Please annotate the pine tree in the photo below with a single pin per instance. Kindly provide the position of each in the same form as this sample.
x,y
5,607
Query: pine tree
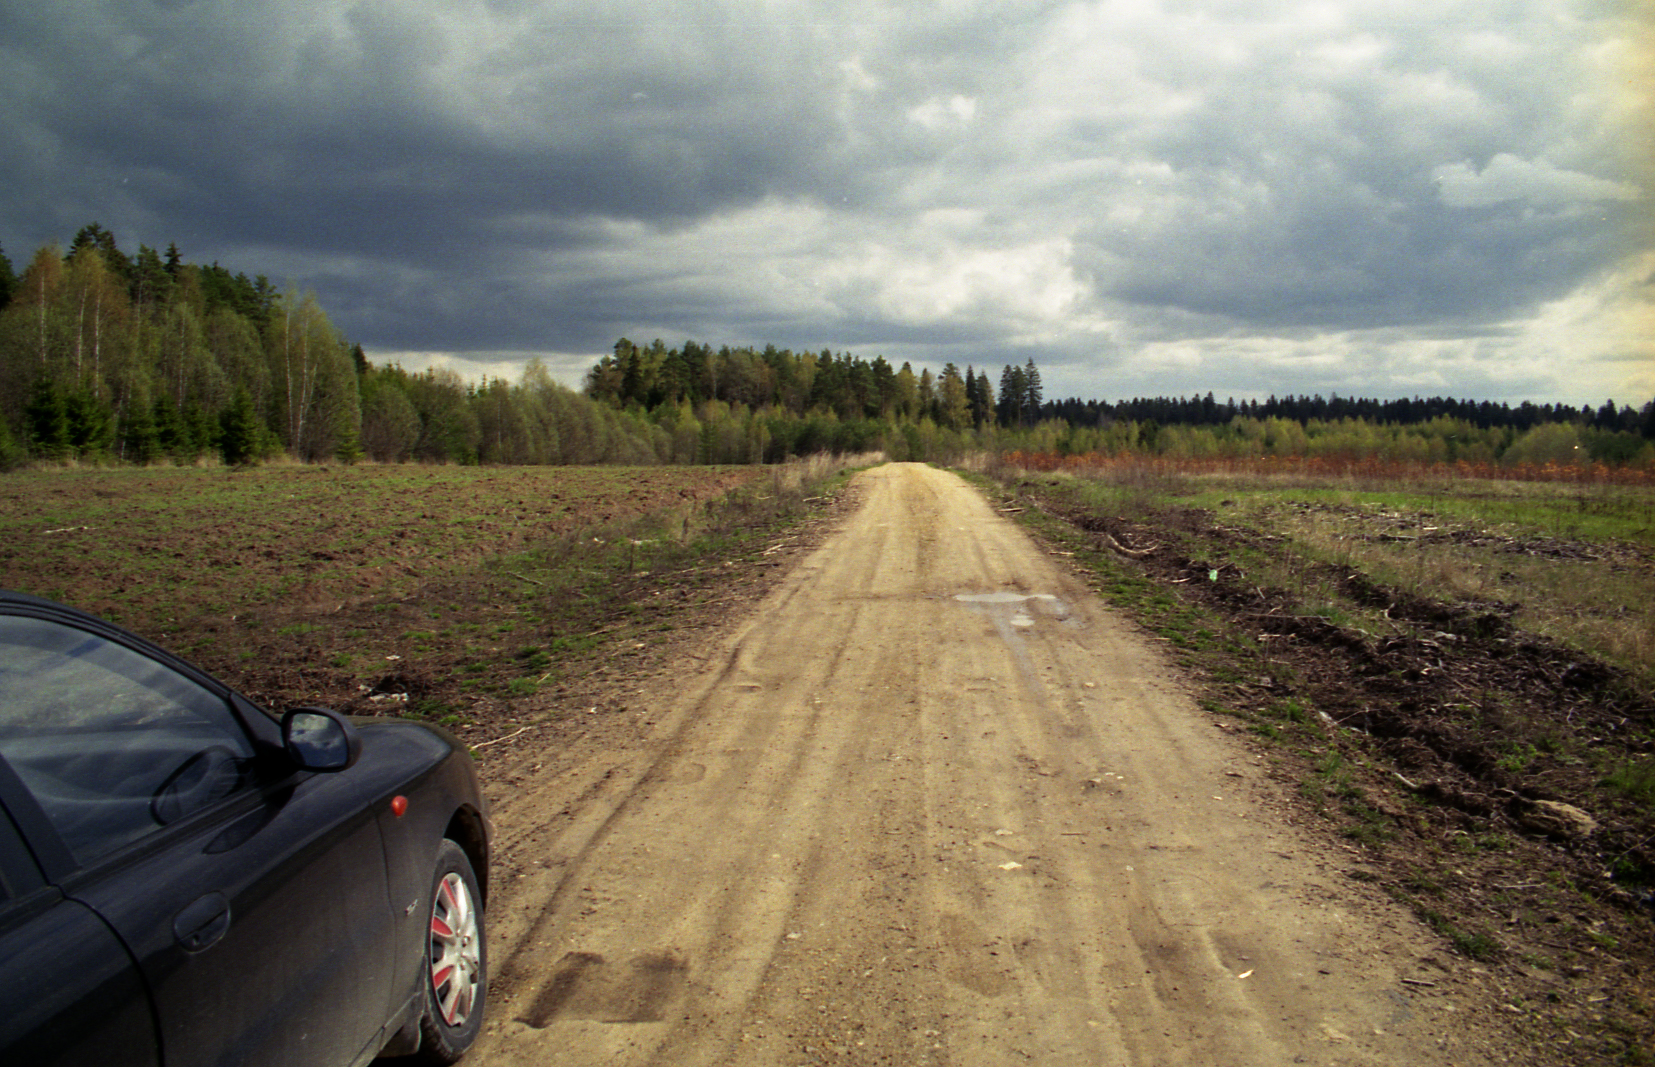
x,y
1031,392
1013,392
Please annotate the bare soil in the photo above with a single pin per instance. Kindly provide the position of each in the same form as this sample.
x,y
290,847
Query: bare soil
x,y
932,802
372,589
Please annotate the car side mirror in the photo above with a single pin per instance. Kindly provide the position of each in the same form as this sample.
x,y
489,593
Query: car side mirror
x,y
320,739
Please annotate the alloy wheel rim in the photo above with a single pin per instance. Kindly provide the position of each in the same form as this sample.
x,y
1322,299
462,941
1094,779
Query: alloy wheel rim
x,y
456,951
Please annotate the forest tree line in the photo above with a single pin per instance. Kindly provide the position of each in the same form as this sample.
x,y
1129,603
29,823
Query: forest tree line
x,y
143,358
938,416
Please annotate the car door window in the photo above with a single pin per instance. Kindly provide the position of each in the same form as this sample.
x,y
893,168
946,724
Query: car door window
x,y
112,744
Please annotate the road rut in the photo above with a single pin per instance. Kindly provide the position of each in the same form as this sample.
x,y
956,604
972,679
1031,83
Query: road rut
x,y
932,804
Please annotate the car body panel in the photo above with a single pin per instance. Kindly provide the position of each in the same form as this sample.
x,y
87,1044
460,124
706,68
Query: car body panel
x,y
283,923
298,974
83,1003
75,998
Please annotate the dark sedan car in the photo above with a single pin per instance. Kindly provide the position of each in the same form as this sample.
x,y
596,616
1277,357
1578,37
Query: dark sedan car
x,y
187,880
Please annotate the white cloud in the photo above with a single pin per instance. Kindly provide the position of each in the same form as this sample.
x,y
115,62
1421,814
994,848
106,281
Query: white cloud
x,y
1596,342
1509,178
1032,284
857,77
944,112
1600,338
566,368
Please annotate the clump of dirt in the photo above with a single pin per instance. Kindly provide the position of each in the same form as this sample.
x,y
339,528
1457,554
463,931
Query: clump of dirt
x,y
1462,762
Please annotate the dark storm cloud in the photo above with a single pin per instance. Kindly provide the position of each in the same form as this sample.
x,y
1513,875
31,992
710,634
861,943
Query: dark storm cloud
x,y
1162,196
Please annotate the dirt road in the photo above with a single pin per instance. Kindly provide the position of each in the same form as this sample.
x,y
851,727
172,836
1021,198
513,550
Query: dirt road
x,y
932,804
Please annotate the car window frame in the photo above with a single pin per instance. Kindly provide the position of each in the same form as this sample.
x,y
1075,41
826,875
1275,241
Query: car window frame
x,y
56,861
262,726
20,873
51,854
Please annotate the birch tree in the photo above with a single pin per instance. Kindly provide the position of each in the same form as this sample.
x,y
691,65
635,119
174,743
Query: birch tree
x,y
315,398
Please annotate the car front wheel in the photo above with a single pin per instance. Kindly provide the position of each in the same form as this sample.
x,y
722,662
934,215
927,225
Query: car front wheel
x,y
456,961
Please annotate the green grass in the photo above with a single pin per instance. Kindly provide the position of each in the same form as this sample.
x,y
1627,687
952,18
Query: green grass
x,y
1541,509
1479,542
429,708
1636,780
1419,882
1475,944
1289,710
532,659
1518,756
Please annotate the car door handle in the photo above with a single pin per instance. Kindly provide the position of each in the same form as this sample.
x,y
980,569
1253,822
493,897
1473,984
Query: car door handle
x,y
202,923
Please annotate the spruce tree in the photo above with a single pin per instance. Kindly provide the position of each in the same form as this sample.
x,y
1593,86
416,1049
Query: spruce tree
x,y
171,436
151,281
239,430
91,423
138,443
95,236
1031,392
47,416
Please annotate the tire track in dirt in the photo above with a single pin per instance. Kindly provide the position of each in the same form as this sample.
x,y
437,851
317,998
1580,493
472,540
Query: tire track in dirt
x,y
888,825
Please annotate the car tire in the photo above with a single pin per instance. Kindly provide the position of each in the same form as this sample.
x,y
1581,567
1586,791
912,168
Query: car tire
x,y
455,973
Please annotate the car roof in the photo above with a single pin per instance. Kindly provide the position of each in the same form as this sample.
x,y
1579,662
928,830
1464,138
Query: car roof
x,y
11,595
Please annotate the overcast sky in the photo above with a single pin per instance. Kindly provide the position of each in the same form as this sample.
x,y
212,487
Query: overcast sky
x,y
1148,197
